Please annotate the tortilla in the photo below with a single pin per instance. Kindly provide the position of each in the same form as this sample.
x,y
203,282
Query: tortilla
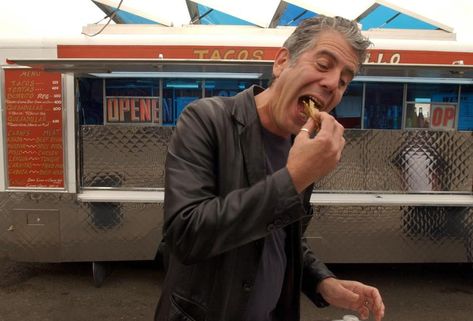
x,y
311,111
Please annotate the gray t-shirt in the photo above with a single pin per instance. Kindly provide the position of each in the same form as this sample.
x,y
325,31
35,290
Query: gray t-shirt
x,y
270,275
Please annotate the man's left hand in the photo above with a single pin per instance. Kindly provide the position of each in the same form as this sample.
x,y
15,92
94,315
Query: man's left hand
x,y
354,296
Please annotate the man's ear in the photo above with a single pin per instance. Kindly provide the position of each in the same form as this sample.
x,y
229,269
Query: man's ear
x,y
280,61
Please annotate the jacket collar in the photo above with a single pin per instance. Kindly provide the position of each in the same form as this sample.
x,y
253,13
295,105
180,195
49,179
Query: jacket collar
x,y
244,108
249,129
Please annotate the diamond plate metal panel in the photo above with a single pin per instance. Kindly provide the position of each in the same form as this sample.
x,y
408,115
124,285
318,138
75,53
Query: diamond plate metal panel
x,y
35,234
373,160
350,173
83,231
123,156
113,231
382,174
361,234
435,161
403,161
338,234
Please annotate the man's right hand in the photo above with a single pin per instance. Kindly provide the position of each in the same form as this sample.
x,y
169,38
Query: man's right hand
x,y
310,159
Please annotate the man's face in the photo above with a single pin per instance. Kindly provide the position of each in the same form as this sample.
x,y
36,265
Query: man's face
x,y
322,73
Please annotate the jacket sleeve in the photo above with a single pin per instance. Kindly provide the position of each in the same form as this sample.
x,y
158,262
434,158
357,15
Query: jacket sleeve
x,y
199,222
314,272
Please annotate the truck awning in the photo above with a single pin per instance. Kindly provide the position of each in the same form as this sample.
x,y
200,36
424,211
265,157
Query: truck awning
x,y
90,66
263,68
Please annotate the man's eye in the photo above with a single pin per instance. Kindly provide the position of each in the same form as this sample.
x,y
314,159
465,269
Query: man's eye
x,y
322,66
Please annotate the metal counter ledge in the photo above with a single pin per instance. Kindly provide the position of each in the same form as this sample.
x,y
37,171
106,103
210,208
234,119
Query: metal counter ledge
x,y
325,199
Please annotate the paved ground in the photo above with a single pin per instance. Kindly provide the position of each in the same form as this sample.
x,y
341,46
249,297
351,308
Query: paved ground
x,y
57,292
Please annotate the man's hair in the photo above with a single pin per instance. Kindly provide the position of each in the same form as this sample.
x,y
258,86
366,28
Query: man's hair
x,y
307,33
305,37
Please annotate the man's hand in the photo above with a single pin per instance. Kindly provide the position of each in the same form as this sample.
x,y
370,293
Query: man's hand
x,y
310,159
354,296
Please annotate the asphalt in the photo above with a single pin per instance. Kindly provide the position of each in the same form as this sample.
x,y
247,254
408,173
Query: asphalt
x,y
66,291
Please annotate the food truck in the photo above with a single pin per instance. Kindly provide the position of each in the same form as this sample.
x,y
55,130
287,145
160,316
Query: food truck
x,y
85,124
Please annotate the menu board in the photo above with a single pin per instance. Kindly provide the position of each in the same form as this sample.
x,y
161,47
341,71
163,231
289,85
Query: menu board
x,y
34,139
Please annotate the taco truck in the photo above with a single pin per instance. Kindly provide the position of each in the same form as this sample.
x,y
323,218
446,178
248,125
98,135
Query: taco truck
x,y
85,124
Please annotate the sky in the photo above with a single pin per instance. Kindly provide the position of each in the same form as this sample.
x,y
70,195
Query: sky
x,y
39,19
30,18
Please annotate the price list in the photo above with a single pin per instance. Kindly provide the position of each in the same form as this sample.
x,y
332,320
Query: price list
x,y
33,105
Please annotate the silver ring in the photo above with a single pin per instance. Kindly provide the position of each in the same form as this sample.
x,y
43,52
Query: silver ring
x,y
303,129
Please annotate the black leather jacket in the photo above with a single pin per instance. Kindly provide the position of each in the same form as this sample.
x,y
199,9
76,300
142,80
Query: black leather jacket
x,y
219,206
